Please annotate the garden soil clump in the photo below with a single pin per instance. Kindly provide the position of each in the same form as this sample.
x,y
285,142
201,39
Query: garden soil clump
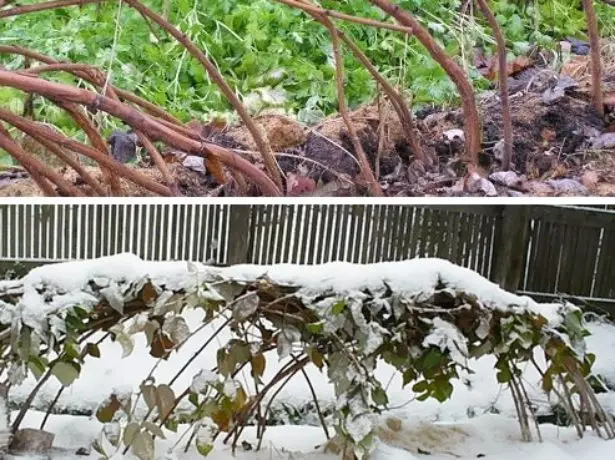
x,y
561,148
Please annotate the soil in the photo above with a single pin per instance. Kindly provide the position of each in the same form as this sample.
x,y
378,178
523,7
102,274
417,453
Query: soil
x,y
553,153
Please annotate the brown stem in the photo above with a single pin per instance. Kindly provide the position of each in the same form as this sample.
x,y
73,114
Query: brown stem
x,y
212,71
42,183
120,169
71,161
138,121
399,105
366,169
313,9
457,75
96,140
37,168
594,46
96,77
397,100
15,11
507,126
262,144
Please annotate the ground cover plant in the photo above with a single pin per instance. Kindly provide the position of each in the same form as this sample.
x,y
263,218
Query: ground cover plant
x,y
181,73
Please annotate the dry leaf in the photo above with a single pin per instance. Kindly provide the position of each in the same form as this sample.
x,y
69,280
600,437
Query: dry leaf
x,y
214,167
590,179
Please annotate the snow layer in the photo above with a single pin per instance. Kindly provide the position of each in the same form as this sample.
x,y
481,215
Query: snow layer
x,y
414,278
493,437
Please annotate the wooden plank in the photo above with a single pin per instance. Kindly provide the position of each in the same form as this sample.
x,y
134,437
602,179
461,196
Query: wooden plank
x,y
223,237
239,234
533,250
270,229
416,232
548,254
280,239
586,253
392,216
409,230
379,222
554,244
366,237
297,229
396,240
308,255
48,240
481,229
437,243
605,280
285,255
485,210
6,230
514,237
574,215
134,229
214,231
357,220
331,230
338,232
59,232
257,230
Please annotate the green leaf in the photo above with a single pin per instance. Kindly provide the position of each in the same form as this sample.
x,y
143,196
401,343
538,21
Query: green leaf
x,y
143,446
65,372
408,376
93,350
315,328
37,365
154,429
379,396
421,386
432,359
204,448
130,432
165,400
71,351
338,307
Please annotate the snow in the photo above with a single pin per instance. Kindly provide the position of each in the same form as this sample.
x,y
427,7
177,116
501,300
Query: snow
x,y
493,437
478,419
415,278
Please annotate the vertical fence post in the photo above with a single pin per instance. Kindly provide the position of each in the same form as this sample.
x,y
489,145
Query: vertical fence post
x,y
511,246
239,234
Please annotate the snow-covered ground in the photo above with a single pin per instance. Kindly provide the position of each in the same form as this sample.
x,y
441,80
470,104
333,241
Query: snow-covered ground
x,y
477,422
480,407
493,437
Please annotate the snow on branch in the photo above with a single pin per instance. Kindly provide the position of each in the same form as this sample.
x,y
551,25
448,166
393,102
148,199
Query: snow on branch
x,y
426,317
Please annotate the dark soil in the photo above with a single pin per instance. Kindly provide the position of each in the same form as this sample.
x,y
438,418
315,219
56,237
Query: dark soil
x,y
552,141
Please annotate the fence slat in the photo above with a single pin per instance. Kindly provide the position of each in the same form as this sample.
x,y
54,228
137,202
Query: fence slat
x,y
568,249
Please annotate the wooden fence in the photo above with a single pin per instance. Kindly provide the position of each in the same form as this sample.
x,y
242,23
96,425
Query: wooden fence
x,y
541,250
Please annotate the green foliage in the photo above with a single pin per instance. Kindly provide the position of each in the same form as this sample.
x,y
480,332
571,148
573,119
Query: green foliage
x,y
263,47
428,336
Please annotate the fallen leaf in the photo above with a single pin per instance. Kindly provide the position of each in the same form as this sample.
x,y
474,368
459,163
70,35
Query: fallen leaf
x,y
214,167
567,187
509,179
590,179
604,142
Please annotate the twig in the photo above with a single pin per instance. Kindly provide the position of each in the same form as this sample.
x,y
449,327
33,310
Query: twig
x,y
507,126
594,46
455,72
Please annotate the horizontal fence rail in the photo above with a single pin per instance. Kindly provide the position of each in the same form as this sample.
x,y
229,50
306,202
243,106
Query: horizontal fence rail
x,y
542,250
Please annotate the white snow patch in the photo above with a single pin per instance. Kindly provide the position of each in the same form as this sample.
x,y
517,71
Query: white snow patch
x,y
416,277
